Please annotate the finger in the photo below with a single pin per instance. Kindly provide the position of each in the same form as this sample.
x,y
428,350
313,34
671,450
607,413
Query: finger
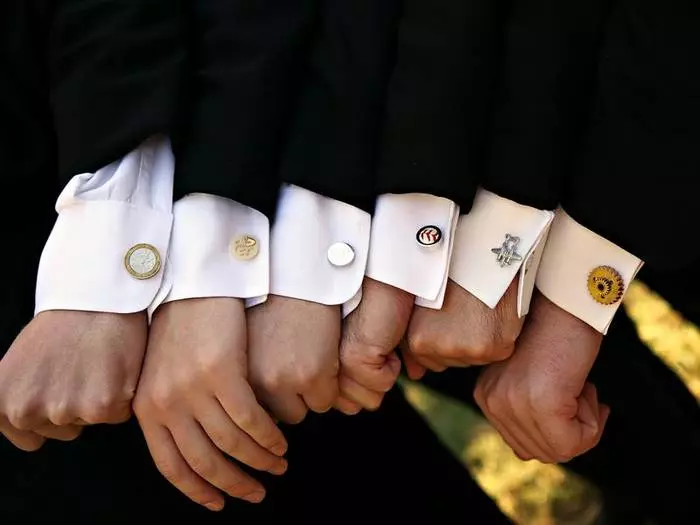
x,y
352,390
60,433
234,441
239,402
589,415
414,369
22,439
175,469
381,376
523,452
347,407
208,462
529,435
319,397
289,408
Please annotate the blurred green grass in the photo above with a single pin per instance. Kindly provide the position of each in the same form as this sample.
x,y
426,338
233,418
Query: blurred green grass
x,y
532,493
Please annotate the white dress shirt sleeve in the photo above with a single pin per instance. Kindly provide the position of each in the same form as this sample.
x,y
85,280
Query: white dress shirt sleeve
x,y
481,235
411,244
318,249
111,237
219,248
585,274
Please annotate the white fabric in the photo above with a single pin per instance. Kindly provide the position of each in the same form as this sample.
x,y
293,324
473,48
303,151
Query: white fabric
x,y
397,259
307,225
572,252
101,216
201,263
474,266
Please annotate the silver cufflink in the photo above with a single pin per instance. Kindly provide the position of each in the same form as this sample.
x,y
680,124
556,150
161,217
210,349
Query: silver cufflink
x,y
506,254
341,254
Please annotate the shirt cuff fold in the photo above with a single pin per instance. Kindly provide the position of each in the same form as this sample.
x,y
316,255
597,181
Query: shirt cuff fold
x,y
319,248
103,256
496,241
584,273
412,238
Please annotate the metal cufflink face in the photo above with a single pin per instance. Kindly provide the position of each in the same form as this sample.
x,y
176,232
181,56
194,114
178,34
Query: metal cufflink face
x,y
606,285
245,248
506,253
142,261
341,254
429,235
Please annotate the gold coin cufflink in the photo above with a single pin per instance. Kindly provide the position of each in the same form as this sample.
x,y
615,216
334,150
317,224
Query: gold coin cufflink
x,y
341,254
606,285
142,261
245,248
429,235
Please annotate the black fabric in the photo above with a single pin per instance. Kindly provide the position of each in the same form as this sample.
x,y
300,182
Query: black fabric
x,y
647,462
117,72
27,157
637,177
376,466
543,97
249,59
439,98
332,144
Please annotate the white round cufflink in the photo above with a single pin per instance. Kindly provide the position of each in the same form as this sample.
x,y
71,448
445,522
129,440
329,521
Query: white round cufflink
x,y
142,261
341,254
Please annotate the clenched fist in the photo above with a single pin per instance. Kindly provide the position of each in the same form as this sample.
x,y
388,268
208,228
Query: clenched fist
x,y
67,369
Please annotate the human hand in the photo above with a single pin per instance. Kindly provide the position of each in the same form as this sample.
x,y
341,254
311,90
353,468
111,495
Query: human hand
x,y
195,406
369,364
67,369
464,332
539,399
293,356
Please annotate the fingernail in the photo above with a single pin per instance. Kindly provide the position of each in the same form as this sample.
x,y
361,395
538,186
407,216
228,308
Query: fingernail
x,y
255,497
279,450
215,506
280,468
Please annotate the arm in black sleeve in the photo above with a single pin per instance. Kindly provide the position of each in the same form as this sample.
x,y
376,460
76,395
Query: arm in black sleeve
x,y
118,69
332,144
637,178
249,59
439,97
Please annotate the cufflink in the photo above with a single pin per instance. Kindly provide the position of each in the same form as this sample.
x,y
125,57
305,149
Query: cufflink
x,y
341,254
142,261
606,285
507,253
244,248
429,235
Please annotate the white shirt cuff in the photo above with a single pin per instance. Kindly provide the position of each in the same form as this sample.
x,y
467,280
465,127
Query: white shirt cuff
x,y
412,237
219,248
318,248
497,240
107,248
585,274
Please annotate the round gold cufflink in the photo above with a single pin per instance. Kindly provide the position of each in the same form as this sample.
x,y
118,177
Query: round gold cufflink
x,y
142,261
245,248
606,286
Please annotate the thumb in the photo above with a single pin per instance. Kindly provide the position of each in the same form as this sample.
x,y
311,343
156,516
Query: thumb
x,y
371,333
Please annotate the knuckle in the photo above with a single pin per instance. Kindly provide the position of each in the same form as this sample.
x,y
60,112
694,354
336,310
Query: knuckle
x,y
60,414
238,489
419,342
105,409
175,473
273,381
246,417
20,417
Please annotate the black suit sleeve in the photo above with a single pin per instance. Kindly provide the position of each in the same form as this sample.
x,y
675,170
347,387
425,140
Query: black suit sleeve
x,y
439,97
27,158
249,58
118,70
638,175
332,144
543,99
